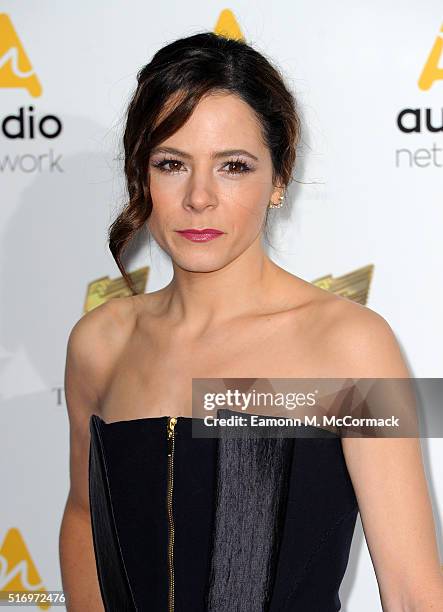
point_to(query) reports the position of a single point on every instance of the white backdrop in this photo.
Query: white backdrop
(372, 196)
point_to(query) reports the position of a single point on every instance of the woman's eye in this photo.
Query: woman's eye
(161, 165)
(241, 167)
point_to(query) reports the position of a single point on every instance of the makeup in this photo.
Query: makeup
(203, 235)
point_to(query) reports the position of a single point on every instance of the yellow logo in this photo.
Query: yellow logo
(15, 68)
(431, 72)
(17, 569)
(353, 285)
(103, 289)
(227, 26)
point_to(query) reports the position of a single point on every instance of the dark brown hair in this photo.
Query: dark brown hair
(183, 72)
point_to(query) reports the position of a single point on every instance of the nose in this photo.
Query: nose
(200, 195)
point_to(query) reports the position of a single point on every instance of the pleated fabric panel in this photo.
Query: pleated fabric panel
(114, 585)
(252, 475)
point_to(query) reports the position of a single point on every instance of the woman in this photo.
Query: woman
(210, 144)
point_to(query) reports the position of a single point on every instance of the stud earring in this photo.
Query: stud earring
(279, 205)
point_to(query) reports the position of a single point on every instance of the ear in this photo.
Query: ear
(278, 193)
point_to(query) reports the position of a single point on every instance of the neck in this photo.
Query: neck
(202, 299)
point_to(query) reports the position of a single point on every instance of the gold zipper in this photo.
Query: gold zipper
(171, 443)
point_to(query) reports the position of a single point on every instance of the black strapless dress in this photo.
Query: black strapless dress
(189, 524)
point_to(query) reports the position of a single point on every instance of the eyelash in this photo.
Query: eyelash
(162, 163)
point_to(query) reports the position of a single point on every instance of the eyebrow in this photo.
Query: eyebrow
(216, 155)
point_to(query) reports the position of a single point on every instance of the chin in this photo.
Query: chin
(203, 263)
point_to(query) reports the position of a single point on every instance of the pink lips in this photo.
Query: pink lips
(202, 235)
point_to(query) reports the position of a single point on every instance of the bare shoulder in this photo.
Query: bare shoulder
(93, 345)
(106, 322)
(359, 341)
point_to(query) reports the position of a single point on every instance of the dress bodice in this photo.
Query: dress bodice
(193, 524)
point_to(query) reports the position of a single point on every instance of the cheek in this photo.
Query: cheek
(156, 191)
(249, 206)
(158, 218)
(162, 200)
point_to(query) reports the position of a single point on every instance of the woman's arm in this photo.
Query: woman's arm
(88, 361)
(390, 483)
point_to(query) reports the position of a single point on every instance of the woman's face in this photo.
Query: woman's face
(214, 172)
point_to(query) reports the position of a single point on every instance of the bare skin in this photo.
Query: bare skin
(231, 312)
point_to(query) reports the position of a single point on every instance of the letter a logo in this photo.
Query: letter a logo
(15, 68)
(17, 569)
(227, 26)
(431, 71)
